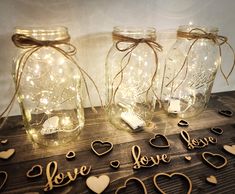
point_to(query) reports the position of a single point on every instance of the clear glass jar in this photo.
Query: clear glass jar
(49, 88)
(130, 71)
(189, 72)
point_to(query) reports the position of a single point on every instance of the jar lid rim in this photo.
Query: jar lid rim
(205, 28)
(133, 29)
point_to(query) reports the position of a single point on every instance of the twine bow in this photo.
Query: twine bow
(31, 45)
(195, 35)
(133, 44)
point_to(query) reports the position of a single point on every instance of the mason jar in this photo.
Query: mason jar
(48, 85)
(131, 74)
(190, 70)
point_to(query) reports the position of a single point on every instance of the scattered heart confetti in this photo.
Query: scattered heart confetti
(98, 184)
(211, 179)
(183, 123)
(227, 113)
(115, 164)
(217, 130)
(180, 175)
(138, 183)
(207, 155)
(107, 146)
(70, 155)
(7, 154)
(4, 177)
(230, 149)
(163, 141)
(188, 158)
(35, 171)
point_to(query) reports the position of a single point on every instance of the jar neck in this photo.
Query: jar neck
(45, 33)
(191, 31)
(135, 33)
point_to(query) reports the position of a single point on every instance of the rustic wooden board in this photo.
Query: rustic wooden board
(97, 127)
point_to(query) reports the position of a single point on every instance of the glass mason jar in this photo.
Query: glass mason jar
(48, 86)
(131, 71)
(190, 70)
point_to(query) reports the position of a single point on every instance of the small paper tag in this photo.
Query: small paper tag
(50, 126)
(174, 106)
(133, 120)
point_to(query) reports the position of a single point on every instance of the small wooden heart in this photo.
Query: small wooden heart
(4, 177)
(183, 123)
(7, 154)
(188, 158)
(230, 149)
(211, 179)
(98, 184)
(217, 130)
(70, 155)
(180, 175)
(115, 164)
(121, 189)
(35, 171)
(159, 137)
(4, 141)
(226, 113)
(219, 157)
(98, 144)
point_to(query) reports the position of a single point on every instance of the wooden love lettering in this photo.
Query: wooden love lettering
(197, 143)
(62, 179)
(147, 162)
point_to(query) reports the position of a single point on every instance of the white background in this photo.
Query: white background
(90, 24)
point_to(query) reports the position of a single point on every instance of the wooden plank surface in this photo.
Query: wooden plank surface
(97, 127)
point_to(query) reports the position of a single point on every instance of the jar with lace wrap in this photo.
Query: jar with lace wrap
(131, 73)
(47, 84)
(190, 70)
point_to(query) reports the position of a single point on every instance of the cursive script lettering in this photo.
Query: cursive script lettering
(146, 162)
(62, 179)
(197, 143)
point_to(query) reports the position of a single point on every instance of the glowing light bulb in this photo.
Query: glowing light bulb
(190, 23)
(44, 100)
(66, 121)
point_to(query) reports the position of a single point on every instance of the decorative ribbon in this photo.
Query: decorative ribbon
(195, 35)
(133, 44)
(31, 45)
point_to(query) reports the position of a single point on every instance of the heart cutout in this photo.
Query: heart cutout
(70, 155)
(115, 164)
(217, 130)
(207, 155)
(183, 123)
(188, 158)
(7, 154)
(4, 177)
(98, 184)
(132, 179)
(104, 145)
(181, 175)
(230, 149)
(35, 171)
(211, 179)
(226, 113)
(162, 138)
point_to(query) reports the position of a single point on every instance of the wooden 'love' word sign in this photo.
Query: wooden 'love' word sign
(197, 143)
(62, 179)
(147, 162)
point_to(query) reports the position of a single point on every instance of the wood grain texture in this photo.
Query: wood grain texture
(97, 127)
